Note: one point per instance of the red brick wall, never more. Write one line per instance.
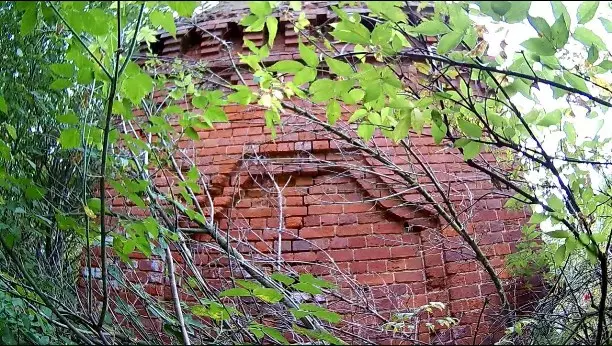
(336, 222)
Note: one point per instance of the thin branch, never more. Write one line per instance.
(102, 187)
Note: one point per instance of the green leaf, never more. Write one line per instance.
(353, 96)
(390, 10)
(373, 91)
(575, 81)
(518, 11)
(586, 11)
(268, 295)
(339, 67)
(275, 335)
(333, 112)
(282, 278)
(570, 132)
(137, 84)
(286, 66)
(165, 20)
(402, 128)
(243, 95)
(70, 138)
(235, 292)
(309, 278)
(307, 288)
(184, 8)
(550, 119)
(560, 10)
(215, 114)
(471, 130)
(3, 106)
(471, 150)
(192, 133)
(589, 38)
(593, 54)
(559, 32)
(431, 28)
(438, 131)
(381, 34)
(606, 65)
(97, 22)
(501, 7)
(64, 70)
(352, 33)
(360, 113)
(248, 284)
(306, 75)
(295, 5)
(260, 8)
(541, 26)
(540, 46)
(59, 84)
(555, 203)
(94, 204)
(366, 131)
(68, 118)
(328, 316)
(559, 234)
(272, 25)
(11, 130)
(537, 218)
(5, 150)
(607, 24)
(450, 41)
(200, 102)
(35, 193)
(308, 55)
(28, 20)
(560, 255)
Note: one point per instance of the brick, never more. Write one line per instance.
(409, 276)
(464, 292)
(339, 243)
(320, 145)
(372, 253)
(151, 265)
(350, 230)
(347, 219)
(341, 255)
(293, 222)
(325, 209)
(501, 249)
(375, 279)
(358, 267)
(404, 251)
(355, 242)
(317, 232)
(377, 266)
(388, 228)
(302, 245)
(296, 211)
(256, 212)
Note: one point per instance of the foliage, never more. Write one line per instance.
(68, 118)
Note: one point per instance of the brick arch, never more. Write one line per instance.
(396, 207)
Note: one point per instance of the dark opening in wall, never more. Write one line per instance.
(157, 47)
(191, 42)
(233, 35)
(368, 23)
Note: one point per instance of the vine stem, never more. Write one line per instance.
(175, 297)
(109, 112)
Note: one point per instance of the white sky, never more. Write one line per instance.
(515, 34)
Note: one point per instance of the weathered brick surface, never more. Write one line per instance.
(342, 224)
